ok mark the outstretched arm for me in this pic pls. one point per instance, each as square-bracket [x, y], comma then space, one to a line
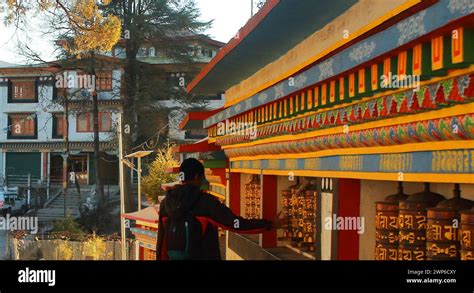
[223, 217]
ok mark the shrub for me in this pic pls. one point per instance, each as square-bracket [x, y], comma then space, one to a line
[68, 225]
[151, 184]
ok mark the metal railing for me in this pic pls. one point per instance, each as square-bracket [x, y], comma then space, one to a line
[23, 181]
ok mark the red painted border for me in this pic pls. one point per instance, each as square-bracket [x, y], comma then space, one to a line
[349, 206]
[269, 210]
[234, 193]
[201, 147]
[198, 116]
[140, 219]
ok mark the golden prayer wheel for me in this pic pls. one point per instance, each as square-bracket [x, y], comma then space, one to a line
[296, 206]
[386, 225]
[286, 197]
[412, 220]
[466, 235]
[442, 234]
[252, 198]
[308, 206]
[288, 210]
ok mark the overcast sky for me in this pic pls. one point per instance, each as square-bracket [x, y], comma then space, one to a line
[229, 16]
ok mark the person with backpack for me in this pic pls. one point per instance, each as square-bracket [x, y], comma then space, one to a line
[189, 218]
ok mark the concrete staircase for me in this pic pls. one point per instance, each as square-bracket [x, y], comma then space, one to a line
[55, 210]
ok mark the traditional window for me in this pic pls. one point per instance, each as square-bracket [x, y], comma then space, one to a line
[152, 52]
[105, 121]
[85, 122]
[104, 81]
[59, 125]
[22, 126]
[22, 90]
[142, 52]
[119, 52]
[59, 93]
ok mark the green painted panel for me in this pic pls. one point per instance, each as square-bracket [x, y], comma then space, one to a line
[214, 164]
[23, 164]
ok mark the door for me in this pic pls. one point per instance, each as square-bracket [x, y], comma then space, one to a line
[19, 165]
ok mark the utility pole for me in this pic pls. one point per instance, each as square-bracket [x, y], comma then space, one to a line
[251, 8]
[122, 187]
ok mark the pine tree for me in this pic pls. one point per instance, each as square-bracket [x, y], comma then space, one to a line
[167, 25]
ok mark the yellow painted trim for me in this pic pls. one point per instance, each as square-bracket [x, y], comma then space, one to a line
[217, 184]
[332, 48]
[216, 194]
[408, 177]
[452, 74]
[445, 112]
[247, 171]
[404, 148]
[147, 224]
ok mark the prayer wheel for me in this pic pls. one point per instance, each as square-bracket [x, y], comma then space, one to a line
[288, 213]
[295, 219]
[386, 225]
[253, 198]
[467, 234]
[286, 197]
[299, 212]
[442, 234]
[309, 214]
[412, 219]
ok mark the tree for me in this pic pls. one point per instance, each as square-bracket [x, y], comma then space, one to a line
[167, 24]
[84, 29]
[151, 184]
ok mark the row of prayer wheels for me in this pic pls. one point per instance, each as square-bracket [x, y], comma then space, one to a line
[253, 198]
[299, 214]
[424, 226]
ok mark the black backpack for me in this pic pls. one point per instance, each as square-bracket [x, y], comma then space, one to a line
[183, 237]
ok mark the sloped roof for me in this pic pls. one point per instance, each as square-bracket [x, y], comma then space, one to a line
[4, 64]
[274, 30]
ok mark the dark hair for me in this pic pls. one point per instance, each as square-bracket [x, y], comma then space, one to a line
[190, 168]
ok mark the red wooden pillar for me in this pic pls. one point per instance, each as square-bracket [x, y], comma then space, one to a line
[269, 208]
[65, 171]
[349, 206]
[234, 193]
[45, 171]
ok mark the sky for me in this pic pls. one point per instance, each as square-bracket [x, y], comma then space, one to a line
[228, 15]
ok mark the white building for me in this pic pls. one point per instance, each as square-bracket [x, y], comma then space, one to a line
[32, 116]
[33, 124]
[201, 50]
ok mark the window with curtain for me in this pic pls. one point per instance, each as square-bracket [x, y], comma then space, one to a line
[104, 80]
[22, 125]
[23, 89]
[85, 122]
[59, 125]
